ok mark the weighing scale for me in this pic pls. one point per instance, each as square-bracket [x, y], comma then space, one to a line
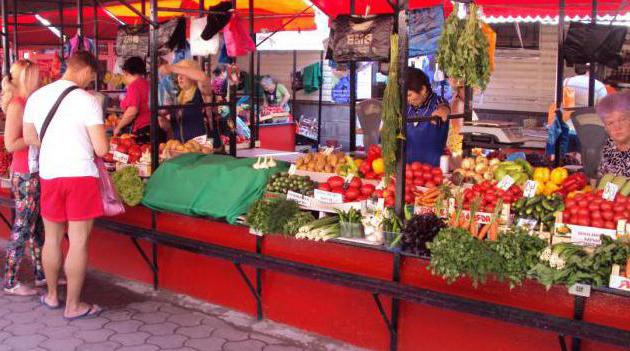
[492, 135]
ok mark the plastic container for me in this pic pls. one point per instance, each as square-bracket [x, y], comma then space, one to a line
[351, 230]
[390, 237]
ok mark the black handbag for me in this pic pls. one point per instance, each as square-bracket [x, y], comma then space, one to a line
[602, 43]
[134, 40]
[361, 38]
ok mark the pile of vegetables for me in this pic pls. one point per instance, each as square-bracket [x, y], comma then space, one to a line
[283, 182]
[475, 170]
[277, 216]
[391, 116]
[322, 229]
[129, 185]
[490, 195]
[350, 223]
[420, 230]
[463, 50]
[541, 208]
[354, 190]
[591, 210]
[621, 182]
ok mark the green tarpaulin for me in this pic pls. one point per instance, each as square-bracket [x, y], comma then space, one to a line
[217, 186]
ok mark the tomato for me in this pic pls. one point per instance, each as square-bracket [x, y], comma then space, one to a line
[337, 190]
[378, 193]
[416, 166]
[490, 197]
[335, 182]
[596, 215]
[467, 206]
[418, 182]
[488, 208]
[606, 206]
[507, 198]
[352, 194]
[583, 221]
[593, 207]
[619, 209]
[367, 189]
[355, 183]
[436, 172]
[430, 184]
[621, 200]
[607, 215]
[324, 187]
[408, 199]
[618, 216]
[610, 225]
[122, 148]
[438, 179]
[598, 223]
[408, 173]
[583, 212]
[427, 176]
[583, 203]
[390, 201]
[573, 210]
[417, 174]
[426, 168]
[570, 203]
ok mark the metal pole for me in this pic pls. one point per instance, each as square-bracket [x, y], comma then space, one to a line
[96, 51]
[252, 80]
[61, 31]
[153, 97]
[258, 95]
[143, 7]
[16, 54]
[80, 22]
[591, 74]
[293, 91]
[559, 75]
[353, 95]
[319, 100]
[6, 64]
[232, 104]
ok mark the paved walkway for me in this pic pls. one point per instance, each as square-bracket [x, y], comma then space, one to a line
[139, 319]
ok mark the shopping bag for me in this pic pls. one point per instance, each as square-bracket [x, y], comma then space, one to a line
[112, 205]
[198, 46]
[361, 38]
[133, 40]
[237, 40]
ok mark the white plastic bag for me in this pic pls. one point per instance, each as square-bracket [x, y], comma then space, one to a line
[198, 46]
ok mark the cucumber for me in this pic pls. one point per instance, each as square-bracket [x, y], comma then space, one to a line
[548, 206]
[533, 201]
[619, 181]
[607, 178]
[625, 191]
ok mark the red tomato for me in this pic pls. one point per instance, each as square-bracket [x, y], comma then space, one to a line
[408, 199]
[438, 179]
[583, 221]
[367, 189]
[507, 198]
[583, 203]
[596, 215]
[437, 172]
[570, 203]
[621, 200]
[390, 201]
[355, 183]
[417, 174]
[619, 209]
[324, 187]
[619, 216]
[583, 212]
[607, 215]
[573, 210]
[418, 182]
[409, 173]
[337, 190]
[335, 182]
[378, 193]
[606, 206]
[416, 166]
[598, 223]
[610, 225]
[430, 184]
[352, 194]
[426, 168]
[593, 207]
[427, 176]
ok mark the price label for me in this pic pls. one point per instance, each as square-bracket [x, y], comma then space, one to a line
[528, 223]
[579, 289]
[113, 147]
[530, 188]
[292, 169]
[202, 139]
[381, 185]
[255, 231]
[380, 204]
[120, 157]
[328, 197]
[610, 191]
[349, 178]
[328, 150]
[506, 183]
[302, 200]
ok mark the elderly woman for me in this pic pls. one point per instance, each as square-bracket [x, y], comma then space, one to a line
[614, 110]
[276, 94]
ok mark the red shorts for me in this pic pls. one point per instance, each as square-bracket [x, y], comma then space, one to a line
[71, 199]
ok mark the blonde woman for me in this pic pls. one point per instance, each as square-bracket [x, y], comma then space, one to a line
[22, 80]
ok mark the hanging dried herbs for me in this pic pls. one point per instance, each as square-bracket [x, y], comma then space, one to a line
[391, 116]
[463, 49]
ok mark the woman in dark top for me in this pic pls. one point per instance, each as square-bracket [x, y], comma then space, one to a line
[425, 140]
[189, 122]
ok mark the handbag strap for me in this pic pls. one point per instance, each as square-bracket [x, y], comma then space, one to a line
[53, 110]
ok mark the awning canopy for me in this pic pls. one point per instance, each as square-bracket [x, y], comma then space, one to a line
[269, 15]
[493, 8]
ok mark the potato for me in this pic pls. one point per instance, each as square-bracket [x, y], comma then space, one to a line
[329, 169]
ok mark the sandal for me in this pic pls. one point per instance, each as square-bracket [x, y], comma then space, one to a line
[92, 311]
[42, 300]
[20, 290]
[40, 283]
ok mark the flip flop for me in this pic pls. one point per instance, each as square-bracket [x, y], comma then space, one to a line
[91, 312]
[42, 300]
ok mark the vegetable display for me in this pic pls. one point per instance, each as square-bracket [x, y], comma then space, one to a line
[323, 229]
[355, 190]
[541, 208]
[283, 182]
[420, 230]
[129, 185]
[391, 116]
[621, 182]
[490, 195]
[475, 170]
[592, 211]
[322, 162]
[270, 216]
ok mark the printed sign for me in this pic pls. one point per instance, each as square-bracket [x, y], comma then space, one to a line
[302, 200]
[120, 157]
[610, 191]
[530, 188]
[328, 197]
[349, 178]
[506, 183]
[588, 236]
[528, 223]
[292, 169]
[579, 289]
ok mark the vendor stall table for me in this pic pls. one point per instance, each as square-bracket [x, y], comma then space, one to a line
[277, 136]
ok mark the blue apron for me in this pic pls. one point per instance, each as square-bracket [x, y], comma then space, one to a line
[190, 122]
[426, 141]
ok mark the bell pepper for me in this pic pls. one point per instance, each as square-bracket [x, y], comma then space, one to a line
[541, 174]
[558, 175]
[550, 188]
[540, 187]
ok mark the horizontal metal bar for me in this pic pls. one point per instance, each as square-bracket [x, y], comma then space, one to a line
[54, 25]
[179, 107]
[537, 320]
[138, 13]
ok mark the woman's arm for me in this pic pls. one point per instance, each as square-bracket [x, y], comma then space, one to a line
[127, 118]
[442, 111]
[192, 73]
[13, 128]
[30, 134]
[98, 139]
[286, 96]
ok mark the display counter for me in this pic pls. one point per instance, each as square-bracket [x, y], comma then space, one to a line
[277, 136]
[332, 310]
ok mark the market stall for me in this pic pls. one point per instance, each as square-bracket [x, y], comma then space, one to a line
[369, 248]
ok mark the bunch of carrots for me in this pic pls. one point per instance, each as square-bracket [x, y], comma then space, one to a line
[428, 198]
[491, 229]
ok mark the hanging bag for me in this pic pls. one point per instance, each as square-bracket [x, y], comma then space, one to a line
[361, 38]
[134, 40]
[112, 205]
[237, 40]
[198, 46]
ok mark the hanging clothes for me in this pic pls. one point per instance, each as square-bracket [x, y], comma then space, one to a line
[312, 77]
[425, 27]
[341, 91]
[218, 18]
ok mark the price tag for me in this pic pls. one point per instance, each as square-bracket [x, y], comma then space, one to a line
[292, 169]
[380, 204]
[202, 139]
[528, 223]
[506, 183]
[530, 188]
[381, 185]
[349, 178]
[621, 227]
[302, 200]
[610, 191]
[328, 197]
[120, 157]
[580, 289]
[255, 231]
[328, 150]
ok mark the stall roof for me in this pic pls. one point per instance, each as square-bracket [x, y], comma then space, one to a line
[491, 8]
[269, 15]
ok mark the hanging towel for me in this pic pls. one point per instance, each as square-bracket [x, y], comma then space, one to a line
[312, 77]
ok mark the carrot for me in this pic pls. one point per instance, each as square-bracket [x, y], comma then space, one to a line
[462, 223]
[628, 268]
[484, 231]
[494, 226]
[474, 229]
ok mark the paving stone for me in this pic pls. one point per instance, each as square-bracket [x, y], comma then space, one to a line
[123, 326]
[160, 329]
[22, 317]
[230, 334]
[24, 329]
[183, 349]
[4, 323]
[214, 322]
[170, 308]
[146, 306]
[188, 319]
[4, 335]
[5, 348]
[282, 348]
[58, 332]
[92, 336]
[200, 331]
[54, 320]
[265, 338]
[61, 344]
[167, 341]
[206, 344]
[131, 339]
[21, 306]
[90, 323]
[139, 348]
[247, 345]
[151, 317]
[24, 342]
[103, 346]
[116, 315]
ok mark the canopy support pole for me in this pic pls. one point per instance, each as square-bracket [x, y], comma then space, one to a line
[591, 74]
[232, 103]
[253, 89]
[293, 91]
[61, 32]
[6, 65]
[153, 97]
[257, 95]
[16, 54]
[353, 94]
[80, 22]
[96, 51]
[319, 100]
[559, 78]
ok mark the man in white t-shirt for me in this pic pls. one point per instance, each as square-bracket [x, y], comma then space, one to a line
[70, 192]
[579, 84]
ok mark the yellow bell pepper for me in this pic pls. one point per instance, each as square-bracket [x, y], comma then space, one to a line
[540, 187]
[541, 174]
[558, 175]
[550, 188]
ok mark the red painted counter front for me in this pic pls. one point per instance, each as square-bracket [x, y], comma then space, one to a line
[338, 312]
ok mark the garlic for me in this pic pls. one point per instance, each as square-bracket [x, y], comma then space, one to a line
[271, 163]
[258, 164]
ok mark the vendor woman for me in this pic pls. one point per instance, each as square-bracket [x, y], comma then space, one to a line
[425, 140]
[136, 117]
[614, 110]
[276, 94]
[189, 122]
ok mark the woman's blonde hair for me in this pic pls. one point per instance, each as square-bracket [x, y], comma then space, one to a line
[23, 79]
